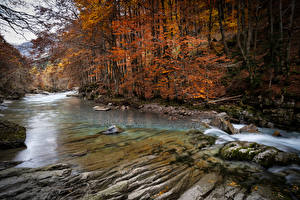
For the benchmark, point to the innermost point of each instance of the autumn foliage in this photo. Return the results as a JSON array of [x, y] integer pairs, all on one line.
[[168, 48], [14, 70], [142, 48]]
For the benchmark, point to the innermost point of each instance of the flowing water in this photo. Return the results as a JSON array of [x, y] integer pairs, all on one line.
[[61, 128]]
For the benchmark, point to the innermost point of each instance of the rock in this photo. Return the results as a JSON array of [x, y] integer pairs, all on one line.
[[223, 115], [11, 135], [240, 151], [114, 190], [44, 93], [276, 134], [266, 158], [260, 154], [79, 154], [109, 104], [8, 164], [113, 130], [123, 107], [101, 108], [15, 95], [73, 95], [270, 125], [205, 123], [250, 129], [222, 123], [150, 176], [201, 188], [141, 106]]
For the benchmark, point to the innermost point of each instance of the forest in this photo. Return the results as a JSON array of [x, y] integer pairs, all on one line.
[[170, 49]]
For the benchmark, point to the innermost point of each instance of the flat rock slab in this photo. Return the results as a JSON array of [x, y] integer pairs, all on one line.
[[201, 188]]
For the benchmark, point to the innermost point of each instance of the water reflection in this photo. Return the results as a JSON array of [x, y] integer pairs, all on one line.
[[40, 141]]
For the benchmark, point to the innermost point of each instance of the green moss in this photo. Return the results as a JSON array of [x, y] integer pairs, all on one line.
[[234, 151], [253, 145], [11, 134]]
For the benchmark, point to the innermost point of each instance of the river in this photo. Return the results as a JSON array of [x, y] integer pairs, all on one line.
[[155, 158], [61, 128]]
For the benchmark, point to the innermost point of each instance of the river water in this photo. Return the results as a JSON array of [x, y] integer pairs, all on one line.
[[61, 128]]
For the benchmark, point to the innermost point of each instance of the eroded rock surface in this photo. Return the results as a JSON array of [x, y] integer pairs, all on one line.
[[184, 171]]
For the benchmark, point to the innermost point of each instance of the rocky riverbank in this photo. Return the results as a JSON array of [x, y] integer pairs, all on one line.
[[259, 110], [195, 169], [283, 111]]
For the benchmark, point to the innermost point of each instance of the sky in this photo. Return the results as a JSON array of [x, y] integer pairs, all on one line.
[[12, 37], [16, 39]]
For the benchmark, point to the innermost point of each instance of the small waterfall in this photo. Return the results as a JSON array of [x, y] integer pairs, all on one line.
[[290, 142]]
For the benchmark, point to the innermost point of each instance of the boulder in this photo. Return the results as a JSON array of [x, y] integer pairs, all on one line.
[[11, 135], [101, 108], [221, 121], [113, 130], [251, 128], [263, 155]]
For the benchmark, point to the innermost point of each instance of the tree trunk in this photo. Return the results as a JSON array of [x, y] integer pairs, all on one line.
[[250, 67], [290, 31], [221, 18], [210, 23], [281, 36], [271, 41], [239, 32]]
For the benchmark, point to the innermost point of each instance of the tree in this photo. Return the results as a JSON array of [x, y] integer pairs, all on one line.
[[14, 70], [16, 19]]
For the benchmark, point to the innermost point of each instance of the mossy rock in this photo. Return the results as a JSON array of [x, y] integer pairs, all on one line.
[[240, 151], [11, 135], [263, 155]]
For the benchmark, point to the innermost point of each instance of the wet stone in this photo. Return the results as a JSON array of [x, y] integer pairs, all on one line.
[[260, 154]]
